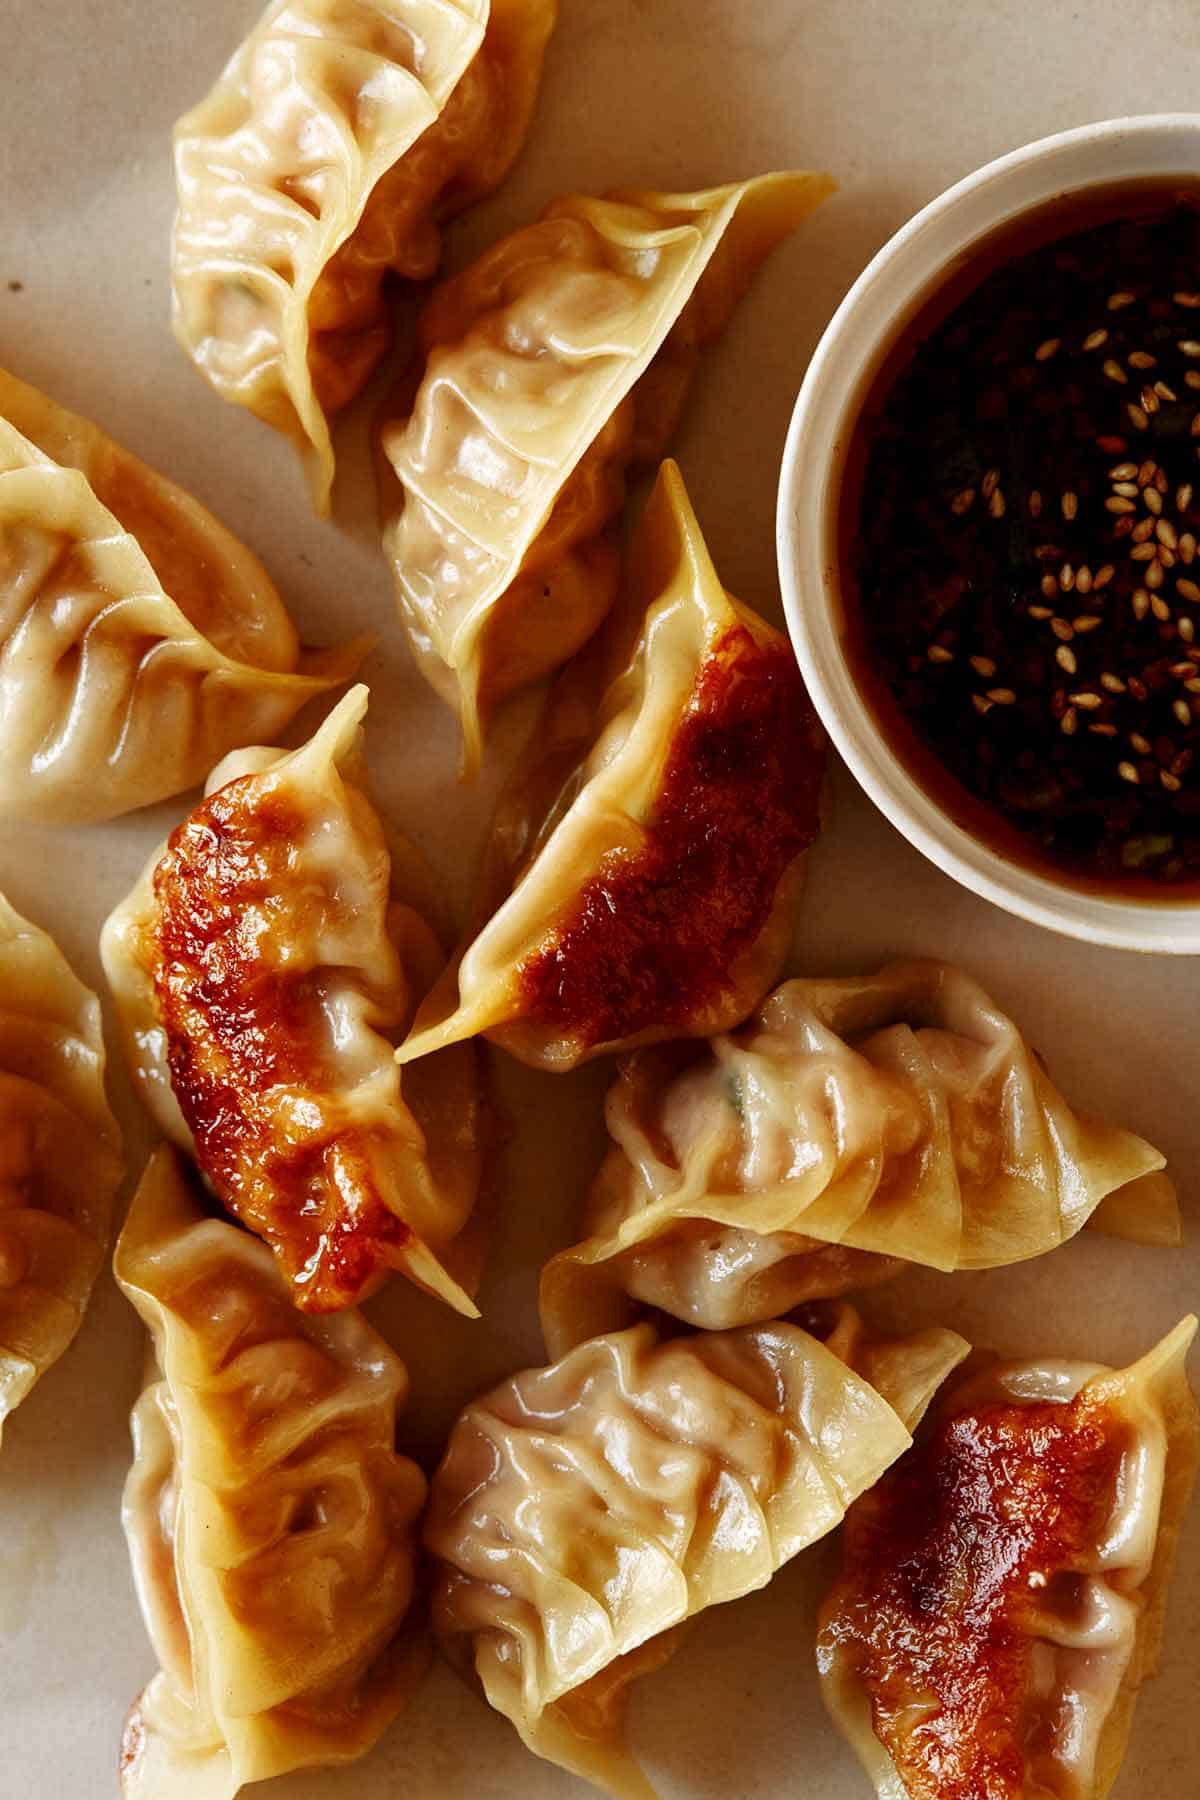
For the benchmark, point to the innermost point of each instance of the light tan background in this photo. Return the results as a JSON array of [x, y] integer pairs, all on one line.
[[897, 98]]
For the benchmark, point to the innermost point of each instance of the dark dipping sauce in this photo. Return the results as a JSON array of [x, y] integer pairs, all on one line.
[[1018, 537]]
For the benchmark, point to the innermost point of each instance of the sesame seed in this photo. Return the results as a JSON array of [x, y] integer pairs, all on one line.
[[1112, 444], [1122, 471], [1103, 730], [1166, 534], [1087, 700], [1121, 299], [1181, 671], [983, 665], [1160, 480], [989, 483], [1190, 346], [1187, 298], [1195, 426], [1154, 576], [1187, 630], [1140, 601], [1103, 575], [1171, 782], [1139, 743], [1193, 686], [1137, 418], [1042, 612], [1112, 684], [1187, 545], [996, 503], [1127, 490], [1070, 504], [1166, 556], [937, 653], [1183, 496], [1192, 378], [1143, 552], [1048, 552], [1120, 503], [1141, 359], [1046, 350], [1049, 588], [1143, 530], [1153, 499], [1064, 656], [1127, 772], [1035, 504], [1149, 400], [1083, 580], [962, 501], [1138, 689], [1182, 711], [1146, 472], [1062, 630], [1086, 622], [1187, 590], [1066, 578], [1001, 695], [1069, 722], [982, 706], [1114, 371], [1160, 609], [1094, 339], [1164, 392]]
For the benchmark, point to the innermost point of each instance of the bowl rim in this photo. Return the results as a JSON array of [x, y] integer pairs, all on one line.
[[970, 208]]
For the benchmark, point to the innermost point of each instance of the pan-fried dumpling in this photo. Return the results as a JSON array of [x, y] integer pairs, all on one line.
[[647, 857], [584, 1512], [271, 1525], [60, 1154], [139, 641], [846, 1124], [556, 363], [259, 965], [1003, 1589], [336, 139]]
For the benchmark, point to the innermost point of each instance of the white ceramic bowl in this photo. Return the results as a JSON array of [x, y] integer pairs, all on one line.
[[904, 271]]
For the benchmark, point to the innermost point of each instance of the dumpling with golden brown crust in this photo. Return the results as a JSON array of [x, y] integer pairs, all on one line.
[[648, 853], [263, 965], [1003, 1588]]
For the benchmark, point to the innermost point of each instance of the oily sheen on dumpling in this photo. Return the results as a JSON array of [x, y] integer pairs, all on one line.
[[584, 1512], [60, 1154], [1003, 1589], [555, 365], [139, 641], [271, 1524], [336, 139], [268, 956], [847, 1124], [647, 855]]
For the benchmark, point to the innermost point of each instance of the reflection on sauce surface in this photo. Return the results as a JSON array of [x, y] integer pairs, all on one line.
[[1018, 540], [246, 1050], [948, 1564], [652, 939]]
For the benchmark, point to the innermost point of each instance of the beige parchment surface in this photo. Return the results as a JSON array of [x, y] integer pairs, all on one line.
[[897, 98]]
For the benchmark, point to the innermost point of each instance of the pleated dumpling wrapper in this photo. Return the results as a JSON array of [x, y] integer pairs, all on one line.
[[262, 966], [584, 1512], [139, 641], [1003, 1590], [847, 1124], [60, 1154], [271, 1524], [555, 364], [647, 855], [335, 141]]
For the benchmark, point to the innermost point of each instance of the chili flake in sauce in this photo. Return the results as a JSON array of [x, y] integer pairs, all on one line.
[[1025, 585]]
